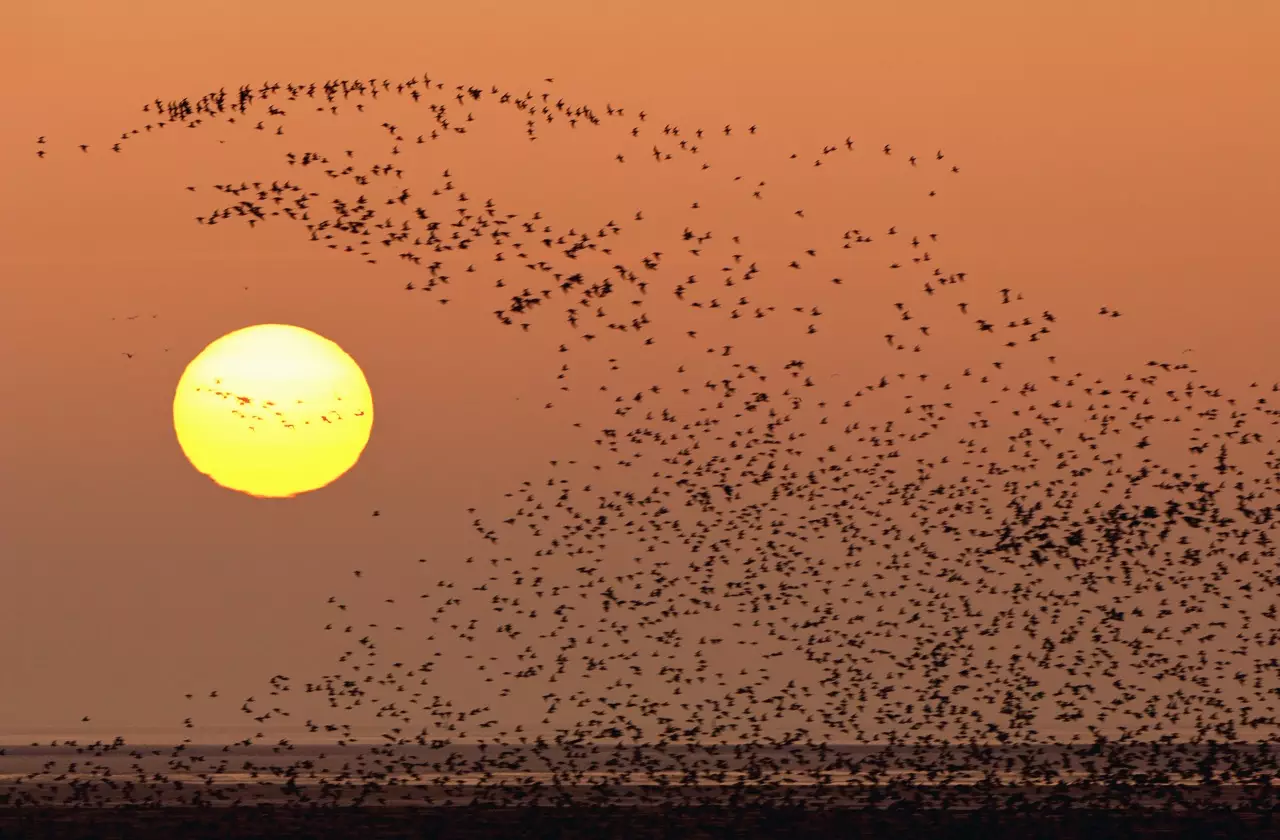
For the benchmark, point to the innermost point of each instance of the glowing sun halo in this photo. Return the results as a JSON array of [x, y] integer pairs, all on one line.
[[273, 410]]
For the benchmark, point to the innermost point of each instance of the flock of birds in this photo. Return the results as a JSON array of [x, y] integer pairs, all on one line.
[[949, 564]]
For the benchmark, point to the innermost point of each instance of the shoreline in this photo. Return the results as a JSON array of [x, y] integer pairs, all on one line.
[[651, 822]]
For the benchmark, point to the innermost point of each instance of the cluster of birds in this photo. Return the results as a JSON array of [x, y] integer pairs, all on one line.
[[951, 564], [257, 412]]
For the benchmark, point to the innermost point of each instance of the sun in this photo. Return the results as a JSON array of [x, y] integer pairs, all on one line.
[[273, 411]]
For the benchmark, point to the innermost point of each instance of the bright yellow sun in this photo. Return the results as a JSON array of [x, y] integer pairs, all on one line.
[[273, 410]]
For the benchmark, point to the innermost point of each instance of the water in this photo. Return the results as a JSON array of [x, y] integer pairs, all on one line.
[[434, 773]]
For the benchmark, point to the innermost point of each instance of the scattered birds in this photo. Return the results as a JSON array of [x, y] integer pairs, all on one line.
[[758, 555]]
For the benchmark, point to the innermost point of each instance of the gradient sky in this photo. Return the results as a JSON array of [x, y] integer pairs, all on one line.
[[1113, 153]]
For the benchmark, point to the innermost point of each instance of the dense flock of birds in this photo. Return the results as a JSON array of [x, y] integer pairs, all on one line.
[[1004, 578]]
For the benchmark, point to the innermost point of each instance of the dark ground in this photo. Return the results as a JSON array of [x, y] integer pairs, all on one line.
[[603, 824]]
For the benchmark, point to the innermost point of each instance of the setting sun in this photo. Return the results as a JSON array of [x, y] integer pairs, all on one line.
[[273, 410]]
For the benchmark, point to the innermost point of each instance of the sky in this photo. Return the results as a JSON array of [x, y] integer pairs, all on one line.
[[1118, 155]]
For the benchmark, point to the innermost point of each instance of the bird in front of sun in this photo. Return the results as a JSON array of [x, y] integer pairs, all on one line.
[[273, 411]]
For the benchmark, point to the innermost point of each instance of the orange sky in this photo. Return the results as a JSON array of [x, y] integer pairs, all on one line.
[[1112, 154]]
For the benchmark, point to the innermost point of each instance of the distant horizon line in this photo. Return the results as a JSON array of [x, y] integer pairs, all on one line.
[[267, 743]]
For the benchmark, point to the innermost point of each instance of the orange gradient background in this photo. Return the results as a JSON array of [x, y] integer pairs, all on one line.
[[1118, 153]]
